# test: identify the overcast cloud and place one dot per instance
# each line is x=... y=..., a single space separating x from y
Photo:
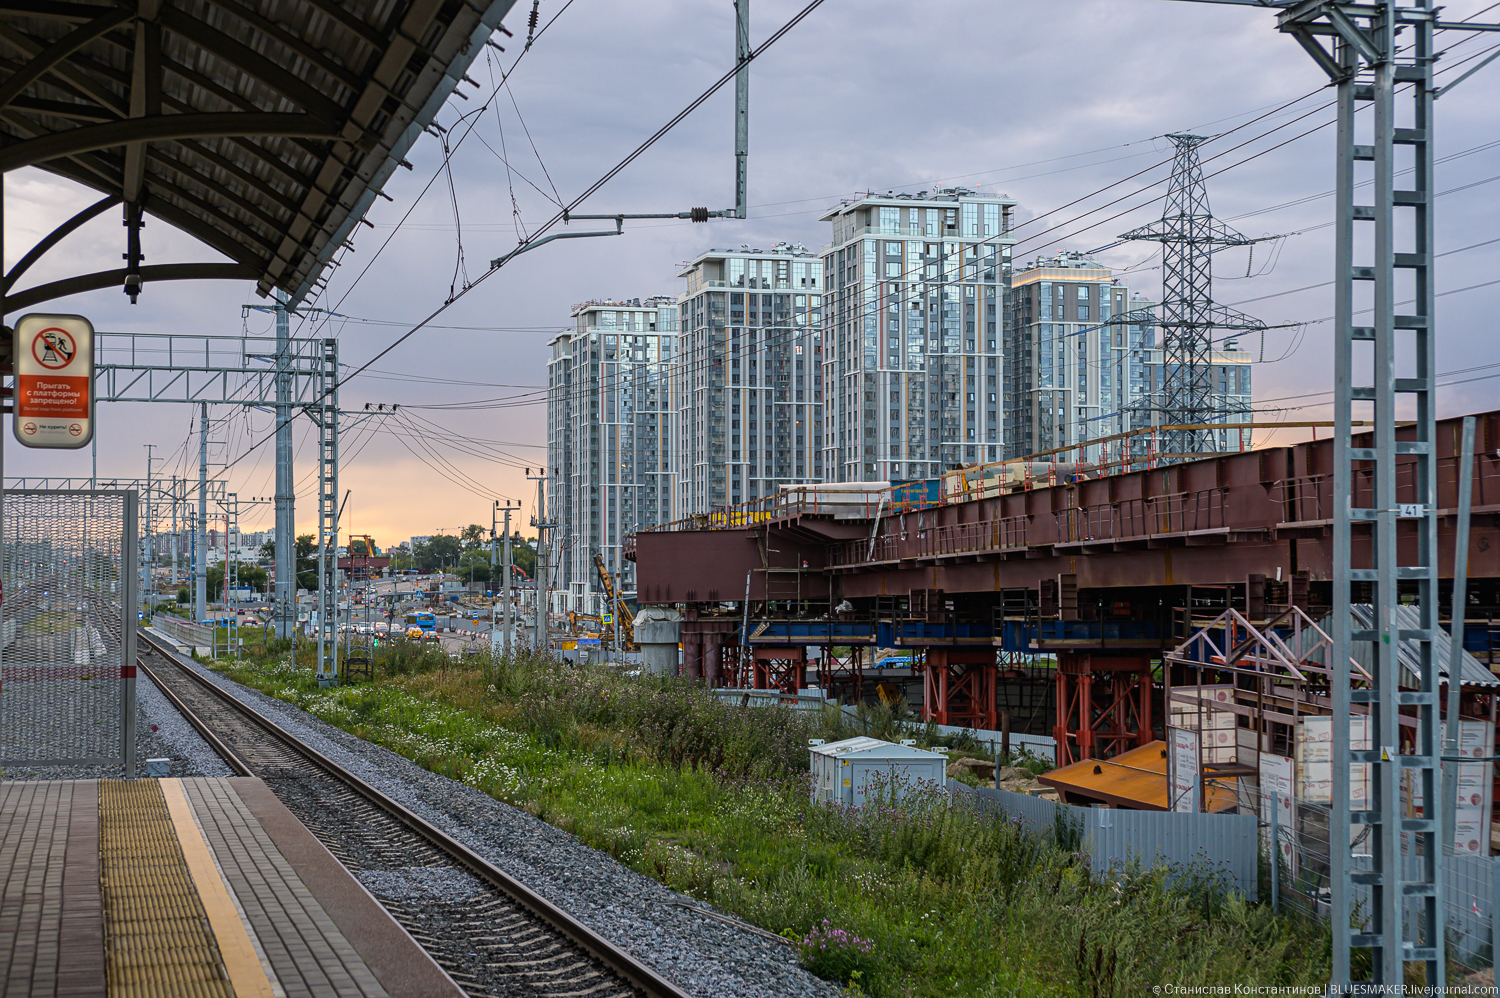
x=1043 y=101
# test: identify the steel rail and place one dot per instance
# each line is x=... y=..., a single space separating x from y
x=586 y=939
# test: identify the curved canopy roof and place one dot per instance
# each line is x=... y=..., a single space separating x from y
x=264 y=128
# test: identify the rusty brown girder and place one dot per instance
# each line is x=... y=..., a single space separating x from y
x=1207 y=522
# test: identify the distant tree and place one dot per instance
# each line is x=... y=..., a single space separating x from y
x=268 y=549
x=437 y=551
x=473 y=536
x=307 y=562
x=523 y=555
x=249 y=575
x=476 y=565
x=357 y=548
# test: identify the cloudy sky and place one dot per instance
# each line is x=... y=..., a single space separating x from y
x=1042 y=101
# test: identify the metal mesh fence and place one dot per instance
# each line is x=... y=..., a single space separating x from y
x=1301 y=880
x=67 y=628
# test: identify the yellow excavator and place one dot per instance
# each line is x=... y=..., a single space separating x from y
x=616 y=604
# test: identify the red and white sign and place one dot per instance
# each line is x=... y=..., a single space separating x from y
x=54 y=381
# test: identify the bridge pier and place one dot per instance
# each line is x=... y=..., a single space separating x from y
x=1103 y=704
x=843 y=677
x=958 y=687
x=706 y=641
x=779 y=667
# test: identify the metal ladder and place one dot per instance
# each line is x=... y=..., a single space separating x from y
x=326 y=416
x=1395 y=82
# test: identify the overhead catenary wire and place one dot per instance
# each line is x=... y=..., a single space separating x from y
x=593 y=188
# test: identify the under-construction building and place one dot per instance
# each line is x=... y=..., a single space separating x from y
x=911 y=334
x=608 y=436
x=748 y=380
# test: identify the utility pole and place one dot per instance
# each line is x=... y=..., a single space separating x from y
x=200 y=572
x=741 y=107
x=174 y=530
x=1356 y=45
x=285 y=607
x=540 y=581
x=507 y=566
x=148 y=556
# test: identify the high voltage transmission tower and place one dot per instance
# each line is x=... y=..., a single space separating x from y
x=1189 y=236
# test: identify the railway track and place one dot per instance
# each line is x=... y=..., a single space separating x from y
x=492 y=934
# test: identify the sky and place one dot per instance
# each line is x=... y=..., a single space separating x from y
x=1046 y=103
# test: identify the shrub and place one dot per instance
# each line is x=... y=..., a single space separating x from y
x=837 y=955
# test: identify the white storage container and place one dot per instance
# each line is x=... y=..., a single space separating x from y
x=844 y=771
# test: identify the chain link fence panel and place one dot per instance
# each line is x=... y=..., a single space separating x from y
x=68 y=610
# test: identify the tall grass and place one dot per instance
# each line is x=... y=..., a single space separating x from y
x=710 y=797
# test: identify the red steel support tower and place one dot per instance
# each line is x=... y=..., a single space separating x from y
x=1103 y=705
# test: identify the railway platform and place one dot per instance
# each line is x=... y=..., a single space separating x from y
x=181 y=888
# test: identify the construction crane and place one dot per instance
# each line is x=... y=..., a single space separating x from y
x=616 y=604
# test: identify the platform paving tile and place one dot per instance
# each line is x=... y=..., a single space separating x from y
x=311 y=958
x=47 y=908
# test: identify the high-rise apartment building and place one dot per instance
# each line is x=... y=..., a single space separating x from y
x=1075 y=368
x=608 y=437
x=912 y=358
x=748 y=383
x=1083 y=360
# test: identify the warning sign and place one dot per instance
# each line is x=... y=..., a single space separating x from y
x=54 y=381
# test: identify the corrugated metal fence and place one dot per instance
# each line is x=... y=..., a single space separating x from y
x=1222 y=844
x=1229 y=845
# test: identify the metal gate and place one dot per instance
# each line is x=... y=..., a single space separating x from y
x=67 y=628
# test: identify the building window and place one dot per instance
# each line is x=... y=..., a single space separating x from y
x=1083 y=313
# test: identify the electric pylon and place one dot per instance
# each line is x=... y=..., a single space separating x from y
x=1189 y=236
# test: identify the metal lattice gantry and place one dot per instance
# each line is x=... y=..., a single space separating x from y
x=192 y=367
x=1357 y=46
x=1383 y=248
x=326 y=416
x=1188 y=316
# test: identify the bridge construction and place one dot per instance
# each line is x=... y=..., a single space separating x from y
x=1079 y=584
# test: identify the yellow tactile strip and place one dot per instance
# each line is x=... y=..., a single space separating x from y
x=157 y=938
x=235 y=946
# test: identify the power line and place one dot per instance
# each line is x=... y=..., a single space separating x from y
x=495 y=266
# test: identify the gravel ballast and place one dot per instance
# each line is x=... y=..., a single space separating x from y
x=161 y=733
x=706 y=956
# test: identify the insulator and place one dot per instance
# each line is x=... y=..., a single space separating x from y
x=700 y=214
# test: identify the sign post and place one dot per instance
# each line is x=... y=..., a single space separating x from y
x=54 y=358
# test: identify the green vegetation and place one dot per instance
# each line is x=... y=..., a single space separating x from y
x=931 y=896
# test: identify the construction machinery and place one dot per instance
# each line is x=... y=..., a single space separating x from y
x=616 y=604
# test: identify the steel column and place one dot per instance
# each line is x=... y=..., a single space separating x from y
x=326 y=416
x=1367 y=65
x=128 y=602
x=286 y=542
x=1456 y=617
x=200 y=535
x=741 y=107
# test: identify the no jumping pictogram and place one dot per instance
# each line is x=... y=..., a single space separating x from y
x=54 y=348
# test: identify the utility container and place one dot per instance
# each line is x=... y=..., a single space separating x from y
x=845 y=771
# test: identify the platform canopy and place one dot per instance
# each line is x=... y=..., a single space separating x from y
x=264 y=128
